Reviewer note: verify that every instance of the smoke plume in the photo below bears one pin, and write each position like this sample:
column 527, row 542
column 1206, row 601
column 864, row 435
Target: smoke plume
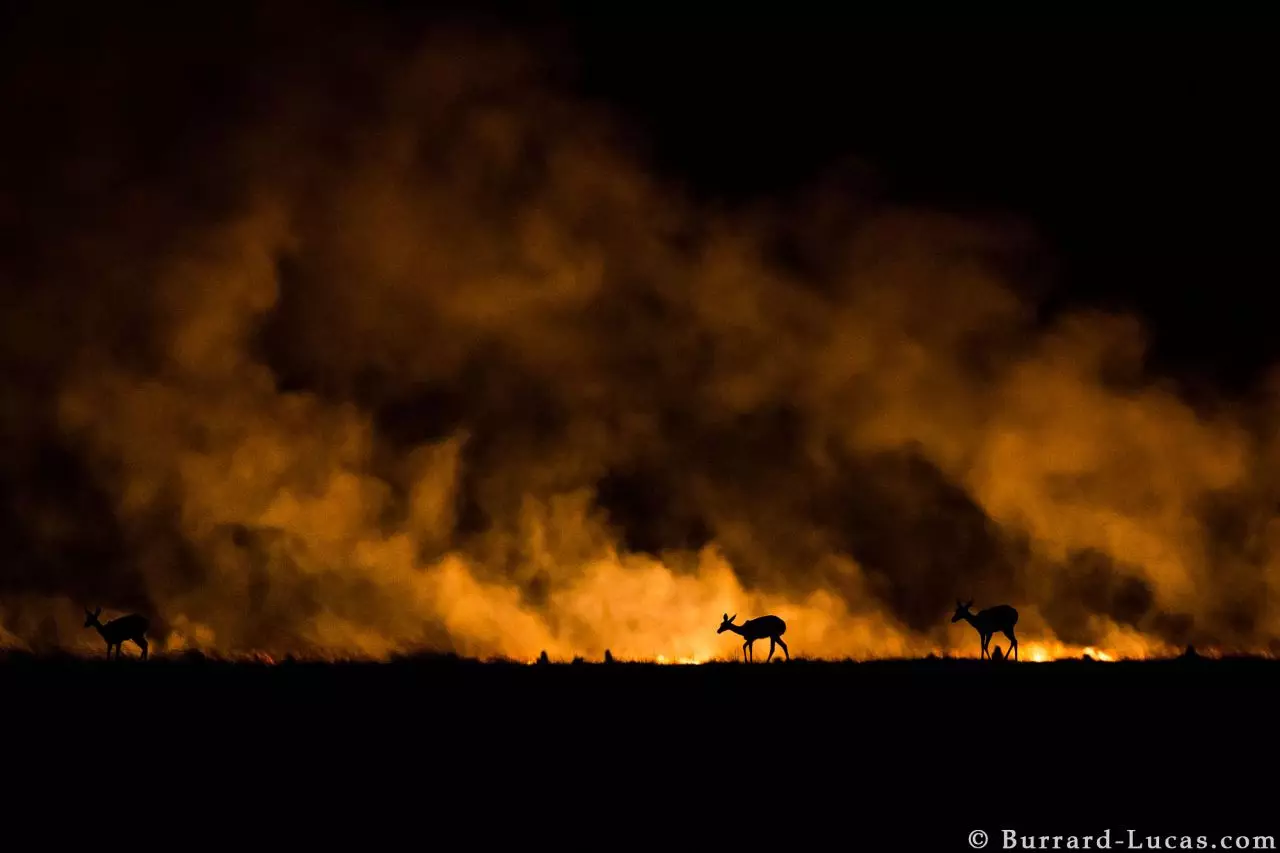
column 364, row 350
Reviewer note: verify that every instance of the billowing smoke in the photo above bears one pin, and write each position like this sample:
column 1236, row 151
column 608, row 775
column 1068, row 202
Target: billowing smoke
column 365, row 351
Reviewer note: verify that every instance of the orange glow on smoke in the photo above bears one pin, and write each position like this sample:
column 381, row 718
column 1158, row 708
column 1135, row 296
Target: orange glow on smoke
column 485, row 243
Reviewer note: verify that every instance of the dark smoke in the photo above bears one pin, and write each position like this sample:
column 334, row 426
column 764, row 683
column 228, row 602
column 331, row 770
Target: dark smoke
column 358, row 344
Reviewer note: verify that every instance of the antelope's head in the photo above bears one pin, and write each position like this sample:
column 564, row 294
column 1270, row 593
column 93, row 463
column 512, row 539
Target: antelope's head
column 91, row 619
column 727, row 624
column 962, row 610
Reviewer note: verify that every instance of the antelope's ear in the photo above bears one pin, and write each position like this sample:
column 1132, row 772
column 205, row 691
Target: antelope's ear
column 724, row 616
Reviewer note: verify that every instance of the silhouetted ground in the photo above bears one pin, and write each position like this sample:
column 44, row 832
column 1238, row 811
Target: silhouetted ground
column 801, row 685
column 800, row 697
column 812, row 747
column 195, row 671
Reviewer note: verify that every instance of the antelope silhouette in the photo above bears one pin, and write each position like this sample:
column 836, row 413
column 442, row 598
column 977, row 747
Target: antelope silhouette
column 757, row 629
column 132, row 627
column 987, row 622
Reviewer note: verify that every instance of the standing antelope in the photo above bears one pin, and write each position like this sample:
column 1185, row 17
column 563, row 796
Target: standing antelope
column 132, row 627
column 1000, row 618
column 757, row 629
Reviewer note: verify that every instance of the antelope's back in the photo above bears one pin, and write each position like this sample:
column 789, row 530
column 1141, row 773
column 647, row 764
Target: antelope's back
column 132, row 625
column 765, row 626
column 1001, row 614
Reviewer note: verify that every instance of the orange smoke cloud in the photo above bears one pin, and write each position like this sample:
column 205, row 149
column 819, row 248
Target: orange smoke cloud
column 442, row 366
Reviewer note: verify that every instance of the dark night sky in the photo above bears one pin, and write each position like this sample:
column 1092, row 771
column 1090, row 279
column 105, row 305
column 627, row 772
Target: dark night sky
column 1146, row 160
column 1143, row 155
column 1147, row 163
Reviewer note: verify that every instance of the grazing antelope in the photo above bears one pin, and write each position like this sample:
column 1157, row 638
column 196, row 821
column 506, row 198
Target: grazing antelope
column 987, row 622
column 132, row 627
column 757, row 629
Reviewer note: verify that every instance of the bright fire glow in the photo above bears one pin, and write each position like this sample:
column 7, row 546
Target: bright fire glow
column 1033, row 652
column 575, row 339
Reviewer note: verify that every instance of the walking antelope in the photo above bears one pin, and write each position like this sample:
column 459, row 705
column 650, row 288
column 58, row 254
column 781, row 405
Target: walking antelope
column 987, row 622
column 132, row 627
column 757, row 629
